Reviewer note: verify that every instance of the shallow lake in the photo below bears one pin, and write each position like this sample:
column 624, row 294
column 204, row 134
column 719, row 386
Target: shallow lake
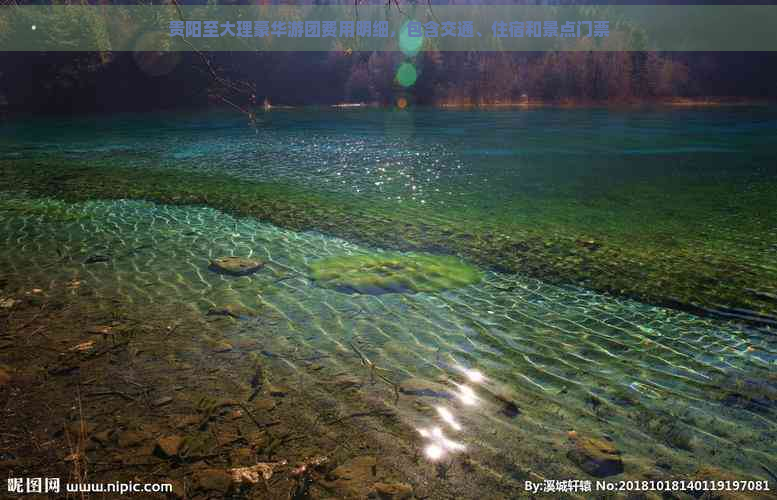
column 512, row 366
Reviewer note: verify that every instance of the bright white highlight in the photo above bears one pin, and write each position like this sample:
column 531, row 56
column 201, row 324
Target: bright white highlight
column 448, row 417
column 452, row 445
column 439, row 445
column 467, row 395
column 475, row 376
column 434, row 452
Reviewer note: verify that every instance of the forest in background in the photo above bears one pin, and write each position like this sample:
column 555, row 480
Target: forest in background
column 68, row 82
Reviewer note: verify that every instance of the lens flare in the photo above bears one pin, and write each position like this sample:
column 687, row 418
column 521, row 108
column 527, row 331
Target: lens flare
column 409, row 45
column 406, row 74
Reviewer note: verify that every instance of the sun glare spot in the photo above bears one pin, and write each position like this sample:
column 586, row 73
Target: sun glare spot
column 467, row 395
column 434, row 452
column 448, row 417
column 452, row 445
column 475, row 376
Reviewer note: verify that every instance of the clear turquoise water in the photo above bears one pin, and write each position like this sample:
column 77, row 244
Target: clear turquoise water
column 432, row 156
column 570, row 358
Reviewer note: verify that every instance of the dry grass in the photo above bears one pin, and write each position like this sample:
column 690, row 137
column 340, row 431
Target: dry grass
column 77, row 447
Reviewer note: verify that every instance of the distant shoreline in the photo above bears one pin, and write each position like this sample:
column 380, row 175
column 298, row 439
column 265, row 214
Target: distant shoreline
column 565, row 103
column 679, row 102
column 574, row 103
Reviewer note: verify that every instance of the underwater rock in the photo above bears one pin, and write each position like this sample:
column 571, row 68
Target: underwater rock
column 130, row 439
column 8, row 302
column 102, row 437
column 264, row 404
column 354, row 478
column 278, row 391
column 213, row 480
column 510, row 409
column 422, row 407
column 5, row 377
column 671, row 431
column 588, row 243
column 100, row 330
column 596, row 457
column 161, row 401
column 94, row 259
column 241, row 457
column 235, row 266
column 356, row 468
column 399, row 491
column 221, row 346
column 392, row 273
column 231, row 310
column 343, row 382
column 424, row 388
column 168, row 446
column 258, row 440
column 183, row 421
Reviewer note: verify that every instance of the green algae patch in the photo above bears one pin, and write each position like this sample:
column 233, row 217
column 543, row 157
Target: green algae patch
column 47, row 209
column 393, row 273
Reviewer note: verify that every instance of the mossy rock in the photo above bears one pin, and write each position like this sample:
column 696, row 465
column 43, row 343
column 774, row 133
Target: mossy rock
column 235, row 266
column 597, row 457
column 393, row 273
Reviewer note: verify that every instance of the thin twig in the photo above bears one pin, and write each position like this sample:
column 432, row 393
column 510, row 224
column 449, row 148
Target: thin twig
column 216, row 77
column 374, row 370
column 112, row 393
column 257, row 423
column 373, row 413
column 34, row 317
